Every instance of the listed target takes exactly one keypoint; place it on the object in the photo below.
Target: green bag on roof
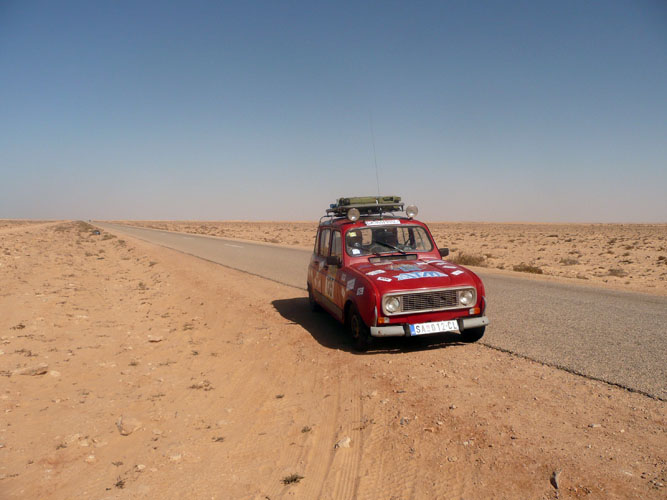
(368, 200)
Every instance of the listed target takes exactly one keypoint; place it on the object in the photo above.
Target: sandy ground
(13, 224)
(133, 371)
(620, 256)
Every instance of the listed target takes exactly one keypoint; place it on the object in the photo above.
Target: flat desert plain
(133, 371)
(620, 256)
(15, 223)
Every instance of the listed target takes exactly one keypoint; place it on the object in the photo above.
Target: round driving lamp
(392, 304)
(353, 214)
(411, 211)
(466, 297)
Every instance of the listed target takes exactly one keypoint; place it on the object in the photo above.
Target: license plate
(434, 327)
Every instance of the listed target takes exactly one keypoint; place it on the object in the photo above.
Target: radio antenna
(375, 159)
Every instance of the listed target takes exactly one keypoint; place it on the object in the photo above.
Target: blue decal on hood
(408, 267)
(420, 274)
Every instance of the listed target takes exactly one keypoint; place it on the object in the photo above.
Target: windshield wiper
(389, 246)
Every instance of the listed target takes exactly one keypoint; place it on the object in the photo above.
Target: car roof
(343, 221)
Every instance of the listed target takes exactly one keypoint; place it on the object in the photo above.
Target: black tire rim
(356, 327)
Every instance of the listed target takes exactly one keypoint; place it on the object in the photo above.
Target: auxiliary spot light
(353, 214)
(411, 211)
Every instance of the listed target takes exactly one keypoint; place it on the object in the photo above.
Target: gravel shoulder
(130, 369)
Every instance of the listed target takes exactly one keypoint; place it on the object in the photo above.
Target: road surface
(618, 337)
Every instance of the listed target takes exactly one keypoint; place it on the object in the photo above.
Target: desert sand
(11, 224)
(133, 371)
(620, 256)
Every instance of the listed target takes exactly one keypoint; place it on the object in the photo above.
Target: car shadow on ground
(331, 334)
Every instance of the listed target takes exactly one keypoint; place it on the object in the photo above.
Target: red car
(383, 276)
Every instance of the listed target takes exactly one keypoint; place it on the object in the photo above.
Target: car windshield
(386, 239)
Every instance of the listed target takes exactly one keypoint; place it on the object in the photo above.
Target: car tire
(361, 334)
(472, 334)
(314, 306)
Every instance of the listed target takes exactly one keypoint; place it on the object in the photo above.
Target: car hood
(415, 274)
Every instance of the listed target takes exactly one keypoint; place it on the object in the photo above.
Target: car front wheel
(361, 334)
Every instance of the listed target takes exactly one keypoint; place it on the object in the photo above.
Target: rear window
(336, 245)
(323, 247)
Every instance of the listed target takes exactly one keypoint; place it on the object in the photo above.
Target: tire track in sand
(341, 478)
(396, 437)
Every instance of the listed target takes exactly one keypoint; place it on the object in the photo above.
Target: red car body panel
(362, 281)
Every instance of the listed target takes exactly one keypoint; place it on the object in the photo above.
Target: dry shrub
(527, 268)
(568, 261)
(291, 479)
(466, 259)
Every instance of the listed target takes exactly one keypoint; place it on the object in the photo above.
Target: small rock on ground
(127, 425)
(343, 443)
(39, 369)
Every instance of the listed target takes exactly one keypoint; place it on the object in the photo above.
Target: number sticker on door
(331, 281)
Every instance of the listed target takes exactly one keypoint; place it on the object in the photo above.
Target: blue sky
(481, 111)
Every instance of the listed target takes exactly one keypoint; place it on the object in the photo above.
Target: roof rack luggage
(366, 205)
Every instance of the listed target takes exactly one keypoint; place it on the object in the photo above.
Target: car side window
(325, 235)
(336, 247)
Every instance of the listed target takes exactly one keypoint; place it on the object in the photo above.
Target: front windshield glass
(386, 239)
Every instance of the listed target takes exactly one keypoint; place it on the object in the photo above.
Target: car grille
(429, 301)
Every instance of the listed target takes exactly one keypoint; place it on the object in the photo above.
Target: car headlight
(392, 304)
(466, 297)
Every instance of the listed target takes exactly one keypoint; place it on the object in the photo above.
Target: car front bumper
(404, 331)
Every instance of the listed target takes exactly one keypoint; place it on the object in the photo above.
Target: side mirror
(444, 252)
(333, 260)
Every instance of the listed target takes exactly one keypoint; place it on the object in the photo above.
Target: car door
(320, 268)
(334, 288)
(315, 263)
(335, 271)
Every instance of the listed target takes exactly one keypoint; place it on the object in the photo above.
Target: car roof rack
(367, 205)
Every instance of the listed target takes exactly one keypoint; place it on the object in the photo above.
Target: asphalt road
(618, 337)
